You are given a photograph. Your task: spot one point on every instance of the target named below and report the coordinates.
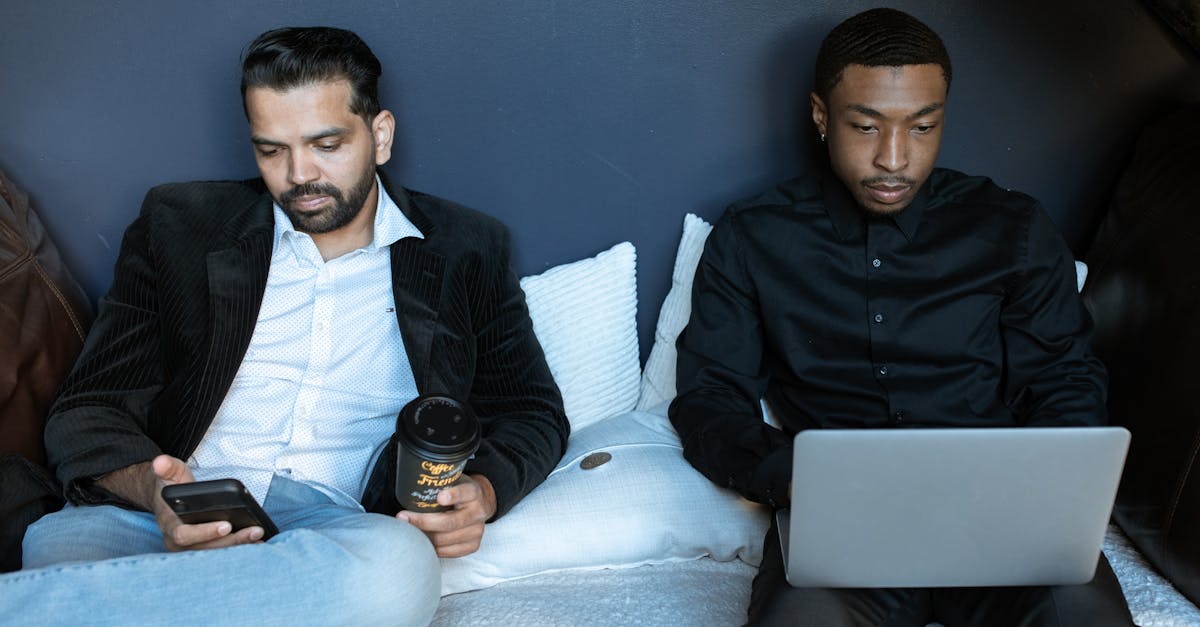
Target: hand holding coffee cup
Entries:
(435, 436)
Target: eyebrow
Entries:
(333, 131)
(868, 111)
(930, 108)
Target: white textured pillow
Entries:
(646, 505)
(658, 377)
(585, 316)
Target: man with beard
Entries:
(270, 331)
(883, 292)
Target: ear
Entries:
(819, 114)
(383, 129)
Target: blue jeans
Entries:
(329, 565)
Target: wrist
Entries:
(136, 484)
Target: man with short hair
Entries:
(270, 331)
(884, 293)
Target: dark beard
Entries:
(344, 210)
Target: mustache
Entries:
(310, 189)
(887, 179)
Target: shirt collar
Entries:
(391, 225)
(847, 216)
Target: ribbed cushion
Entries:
(658, 377)
(585, 316)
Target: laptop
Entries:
(874, 508)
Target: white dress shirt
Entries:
(326, 371)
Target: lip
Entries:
(311, 202)
(888, 194)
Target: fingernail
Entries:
(224, 528)
(256, 533)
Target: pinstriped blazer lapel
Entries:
(417, 287)
(237, 279)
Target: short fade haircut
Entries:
(874, 38)
(286, 58)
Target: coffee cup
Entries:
(435, 436)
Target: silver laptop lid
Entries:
(950, 507)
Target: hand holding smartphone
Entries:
(220, 499)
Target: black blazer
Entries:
(189, 281)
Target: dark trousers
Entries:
(774, 602)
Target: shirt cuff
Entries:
(769, 483)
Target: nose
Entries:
(301, 169)
(892, 152)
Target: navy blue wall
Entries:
(578, 123)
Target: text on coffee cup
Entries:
(437, 482)
(437, 469)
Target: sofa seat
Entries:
(709, 593)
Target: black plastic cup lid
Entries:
(437, 426)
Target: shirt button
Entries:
(878, 317)
(883, 370)
(876, 262)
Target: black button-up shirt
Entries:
(959, 311)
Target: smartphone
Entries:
(219, 499)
